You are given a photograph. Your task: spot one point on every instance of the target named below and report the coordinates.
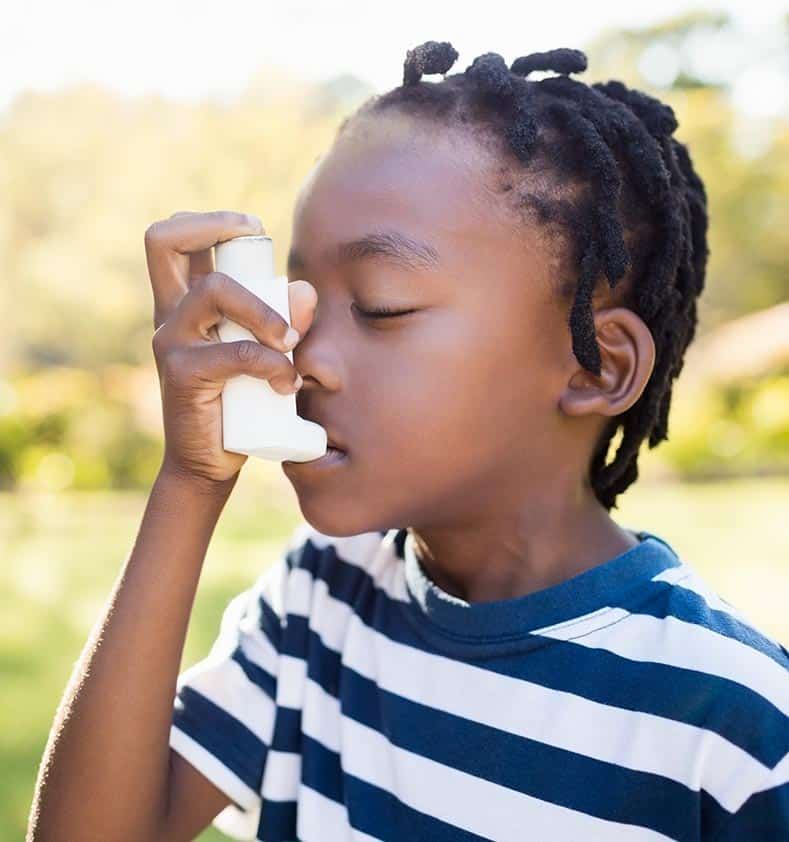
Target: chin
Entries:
(340, 520)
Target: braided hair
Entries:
(623, 192)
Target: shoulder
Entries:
(718, 636)
(734, 678)
(685, 623)
(711, 684)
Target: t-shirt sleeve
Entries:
(225, 705)
(765, 814)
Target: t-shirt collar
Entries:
(608, 584)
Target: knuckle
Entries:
(153, 233)
(172, 366)
(273, 326)
(213, 284)
(270, 320)
(234, 218)
(247, 351)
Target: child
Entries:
(459, 642)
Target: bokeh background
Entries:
(111, 118)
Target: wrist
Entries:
(175, 476)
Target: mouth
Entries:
(332, 458)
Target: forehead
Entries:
(390, 173)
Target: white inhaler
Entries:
(256, 419)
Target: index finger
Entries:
(170, 242)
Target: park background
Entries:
(143, 116)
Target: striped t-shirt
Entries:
(347, 696)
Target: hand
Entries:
(190, 298)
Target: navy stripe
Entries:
(296, 638)
(384, 816)
(684, 695)
(536, 769)
(256, 674)
(713, 816)
(277, 821)
(765, 815)
(520, 763)
(221, 734)
(689, 606)
(321, 770)
(375, 811)
(270, 623)
(292, 556)
(287, 734)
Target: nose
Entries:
(319, 354)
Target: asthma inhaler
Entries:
(257, 420)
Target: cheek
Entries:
(443, 392)
(492, 383)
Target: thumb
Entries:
(302, 300)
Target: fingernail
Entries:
(297, 385)
(254, 221)
(290, 338)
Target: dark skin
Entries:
(476, 391)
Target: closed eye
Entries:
(382, 312)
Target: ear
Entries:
(627, 354)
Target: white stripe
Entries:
(242, 614)
(321, 716)
(778, 776)
(324, 722)
(334, 615)
(583, 624)
(686, 577)
(669, 640)
(357, 550)
(271, 585)
(216, 771)
(290, 685)
(257, 647)
(324, 820)
(299, 536)
(371, 552)
(281, 775)
(467, 801)
(227, 686)
(235, 613)
(656, 744)
(299, 592)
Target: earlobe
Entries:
(627, 355)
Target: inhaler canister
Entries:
(256, 419)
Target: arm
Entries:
(107, 770)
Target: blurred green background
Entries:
(85, 171)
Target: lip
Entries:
(334, 457)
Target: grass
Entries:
(62, 553)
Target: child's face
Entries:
(451, 410)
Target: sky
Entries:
(193, 50)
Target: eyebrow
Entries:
(392, 246)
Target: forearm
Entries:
(105, 770)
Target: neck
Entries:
(515, 553)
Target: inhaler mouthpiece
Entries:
(257, 420)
